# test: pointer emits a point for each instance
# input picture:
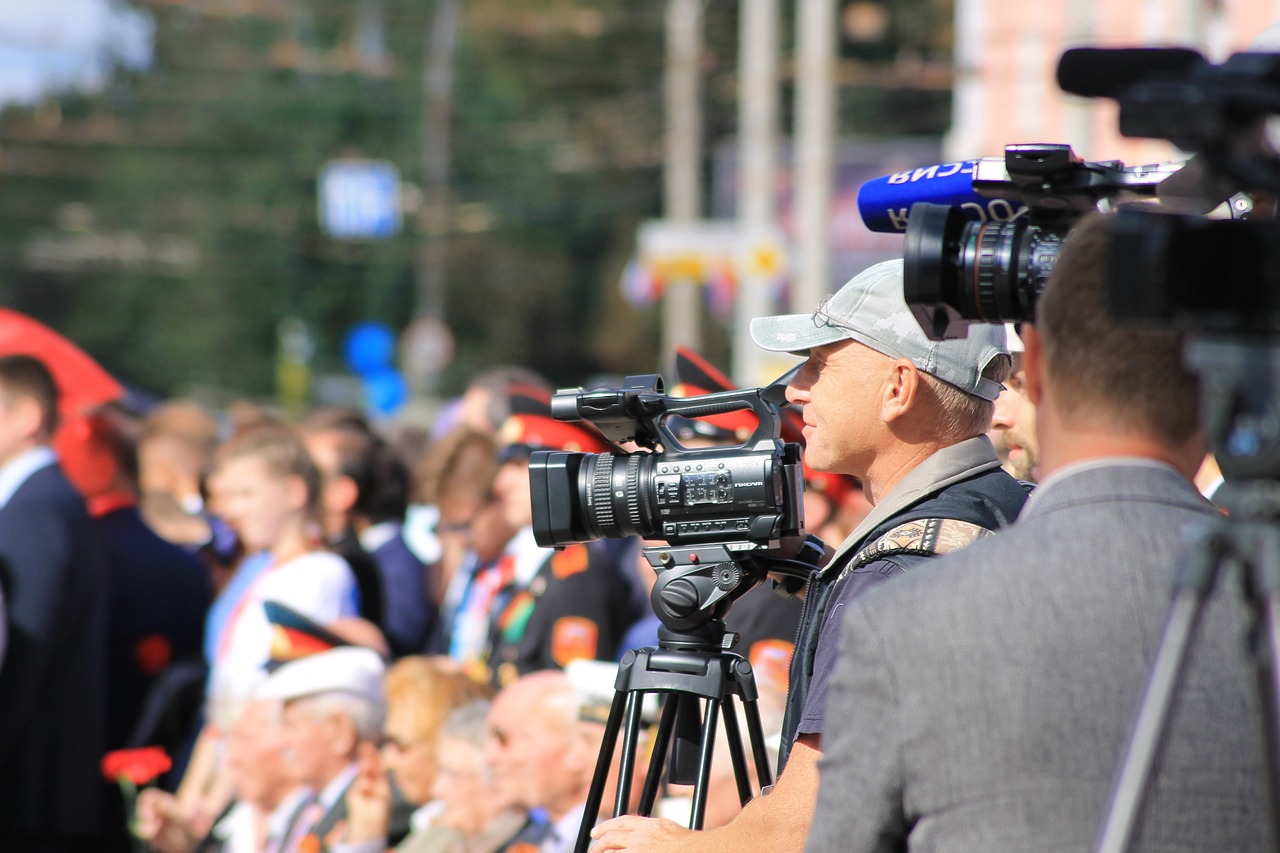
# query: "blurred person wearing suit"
(987, 698)
(364, 499)
(53, 683)
(160, 591)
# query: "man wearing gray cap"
(908, 417)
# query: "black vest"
(991, 499)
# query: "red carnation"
(139, 766)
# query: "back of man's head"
(1118, 377)
(27, 377)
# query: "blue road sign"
(360, 199)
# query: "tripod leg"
(661, 743)
(1264, 593)
(733, 734)
(1191, 587)
(755, 731)
(596, 793)
(699, 810)
(629, 737)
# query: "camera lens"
(578, 497)
(614, 505)
(986, 271)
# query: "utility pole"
(682, 174)
(757, 164)
(816, 27)
(437, 121)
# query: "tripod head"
(697, 584)
(1240, 403)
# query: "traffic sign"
(359, 199)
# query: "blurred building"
(1006, 55)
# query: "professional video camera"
(985, 254)
(730, 514)
(1225, 115)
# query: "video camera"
(730, 514)
(987, 258)
(1225, 114)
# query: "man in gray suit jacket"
(986, 699)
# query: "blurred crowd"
(344, 635)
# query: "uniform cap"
(350, 669)
(294, 635)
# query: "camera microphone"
(885, 202)
(1100, 72)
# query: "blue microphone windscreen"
(884, 202)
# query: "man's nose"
(1004, 414)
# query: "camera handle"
(691, 669)
(1238, 397)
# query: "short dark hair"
(382, 478)
(1132, 375)
(27, 376)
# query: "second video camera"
(957, 271)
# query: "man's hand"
(368, 799)
(164, 823)
(629, 832)
(777, 823)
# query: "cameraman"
(908, 417)
(1013, 744)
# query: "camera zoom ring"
(602, 494)
(633, 492)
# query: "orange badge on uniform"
(771, 660)
(570, 561)
(574, 638)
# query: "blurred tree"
(168, 223)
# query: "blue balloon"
(369, 347)
(385, 391)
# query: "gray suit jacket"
(985, 699)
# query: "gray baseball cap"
(870, 309)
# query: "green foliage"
(208, 160)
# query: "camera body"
(744, 497)
(957, 271)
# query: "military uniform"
(576, 606)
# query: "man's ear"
(1032, 362)
(341, 493)
(899, 390)
(296, 492)
(29, 417)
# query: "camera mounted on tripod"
(730, 514)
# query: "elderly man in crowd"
(333, 704)
(985, 701)
(543, 755)
(267, 795)
(908, 417)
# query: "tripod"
(1239, 384)
(690, 668)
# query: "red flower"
(139, 766)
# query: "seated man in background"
(542, 755)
